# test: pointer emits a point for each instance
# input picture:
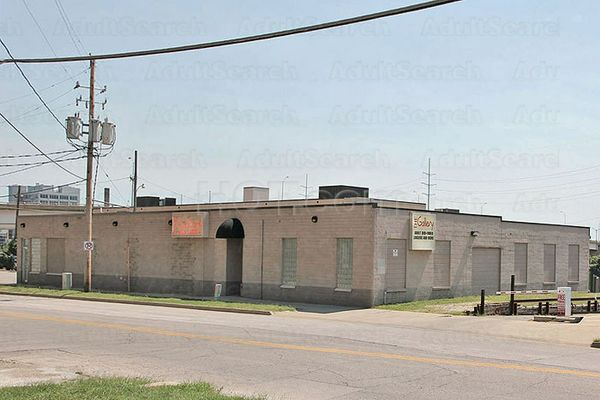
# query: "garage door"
(486, 270)
(395, 264)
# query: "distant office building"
(45, 195)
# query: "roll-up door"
(486, 269)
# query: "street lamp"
(418, 196)
(283, 185)
(565, 217)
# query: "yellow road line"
(313, 349)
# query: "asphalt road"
(285, 356)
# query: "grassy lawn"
(114, 389)
(160, 300)
(458, 305)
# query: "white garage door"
(486, 270)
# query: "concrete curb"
(548, 318)
(145, 303)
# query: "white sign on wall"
(422, 231)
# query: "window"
(521, 263)
(288, 261)
(573, 263)
(549, 263)
(25, 259)
(344, 264)
(36, 255)
(441, 264)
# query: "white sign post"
(218, 288)
(422, 231)
(564, 301)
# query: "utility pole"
(305, 187)
(17, 211)
(89, 201)
(429, 185)
(135, 179)
(105, 134)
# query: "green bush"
(8, 255)
(595, 265)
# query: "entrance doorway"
(233, 230)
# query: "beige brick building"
(348, 251)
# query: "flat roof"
(290, 203)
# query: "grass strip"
(77, 294)
(115, 389)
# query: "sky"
(500, 95)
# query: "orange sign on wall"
(189, 224)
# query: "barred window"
(289, 261)
(441, 264)
(521, 263)
(344, 263)
(573, 262)
(549, 263)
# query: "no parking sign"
(88, 245)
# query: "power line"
(37, 148)
(167, 189)
(70, 29)
(37, 163)
(46, 88)
(41, 31)
(57, 159)
(565, 186)
(245, 39)
(36, 155)
(31, 86)
(40, 106)
(112, 182)
(523, 178)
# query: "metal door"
(485, 270)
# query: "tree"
(8, 255)
(595, 265)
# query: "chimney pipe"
(106, 197)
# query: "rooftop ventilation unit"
(342, 192)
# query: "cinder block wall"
(536, 235)
(140, 255)
(493, 233)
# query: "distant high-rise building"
(45, 195)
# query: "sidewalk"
(517, 327)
